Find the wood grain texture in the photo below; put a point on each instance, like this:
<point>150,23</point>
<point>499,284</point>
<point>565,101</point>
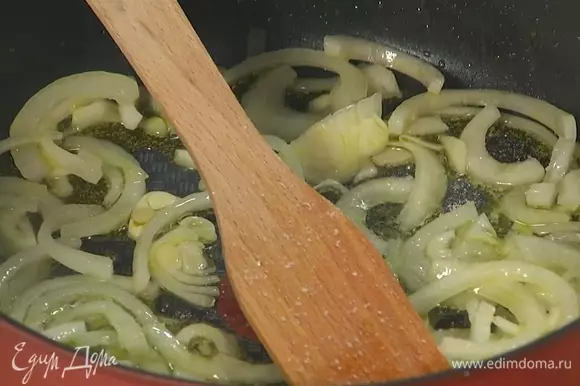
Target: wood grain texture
<point>317,293</point>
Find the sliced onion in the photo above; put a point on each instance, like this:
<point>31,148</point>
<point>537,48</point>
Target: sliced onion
<point>60,186</point>
<point>130,334</point>
<point>331,185</point>
<point>286,153</point>
<point>15,142</point>
<point>56,293</point>
<point>393,156</point>
<point>130,116</point>
<point>64,331</point>
<point>84,165</point>
<point>456,152</point>
<point>428,126</point>
<point>224,343</point>
<point>564,227</point>
<point>321,104</point>
<point>182,158</point>
<point>58,100</point>
<point>26,267</point>
<point>18,186</point>
<point>155,126</point>
<point>265,105</point>
<point>527,126</point>
<point>545,253</point>
<point>367,172</point>
<point>79,261</point>
<point>428,190</point>
<point>134,188</point>
<point>481,273</point>
<point>99,111</point>
<point>513,206</point>
<point>542,195</point>
<point>532,322</point>
<point>483,167</point>
<point>421,142</point>
<point>381,80</point>
<point>559,121</point>
<point>195,202</point>
<point>337,146</point>
<point>115,182</point>
<point>352,88</point>
<point>177,263</point>
<point>313,85</point>
<point>359,49</point>
<point>16,232</point>
<point>359,200</point>
<point>414,266</point>
<point>569,194</point>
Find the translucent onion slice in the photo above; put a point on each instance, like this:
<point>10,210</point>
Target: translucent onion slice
<point>529,127</point>
<point>428,190</point>
<point>381,80</point>
<point>340,144</point>
<point>16,232</point>
<point>555,256</point>
<point>313,85</point>
<point>359,49</point>
<point>393,156</point>
<point>56,293</point>
<point>60,186</point>
<point>428,126</point>
<point>177,262</point>
<point>532,322</point>
<point>84,165</point>
<point>129,332</point>
<point>481,273</point>
<point>100,111</point>
<point>513,206</point>
<point>352,88</point>
<point>222,342</point>
<point>332,185</point>
<point>83,262</point>
<point>414,266</point>
<point>559,121</point>
<point>195,202</point>
<point>18,186</point>
<point>134,188</point>
<point>483,167</point>
<point>456,152</point>
<point>358,201</point>
<point>264,104</point>
<point>367,172</point>
<point>182,158</point>
<point>58,100</point>
<point>15,142</point>
<point>64,331</point>
<point>286,154</point>
<point>115,182</point>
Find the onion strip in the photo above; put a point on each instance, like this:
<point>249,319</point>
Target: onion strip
<point>359,49</point>
<point>352,87</point>
<point>483,167</point>
<point>264,104</point>
<point>134,188</point>
<point>193,203</point>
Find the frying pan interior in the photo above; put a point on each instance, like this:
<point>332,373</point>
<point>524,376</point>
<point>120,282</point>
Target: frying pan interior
<point>527,46</point>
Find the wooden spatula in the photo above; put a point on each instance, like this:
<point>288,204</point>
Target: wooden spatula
<point>317,293</point>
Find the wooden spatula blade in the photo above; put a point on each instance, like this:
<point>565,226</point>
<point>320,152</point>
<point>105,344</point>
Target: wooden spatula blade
<point>314,289</point>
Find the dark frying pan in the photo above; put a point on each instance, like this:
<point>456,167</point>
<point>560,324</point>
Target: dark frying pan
<point>528,46</point>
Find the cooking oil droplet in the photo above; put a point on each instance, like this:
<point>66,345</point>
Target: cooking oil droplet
<point>441,63</point>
